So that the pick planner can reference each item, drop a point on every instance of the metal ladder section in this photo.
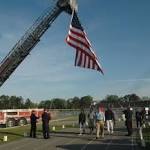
(29, 40)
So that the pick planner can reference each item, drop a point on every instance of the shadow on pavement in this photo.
(103, 144)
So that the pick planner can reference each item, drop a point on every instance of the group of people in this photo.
(142, 118)
(99, 119)
(46, 117)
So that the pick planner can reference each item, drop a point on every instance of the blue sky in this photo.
(120, 35)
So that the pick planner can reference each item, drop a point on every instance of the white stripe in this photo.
(98, 64)
(87, 62)
(84, 40)
(87, 39)
(91, 63)
(83, 60)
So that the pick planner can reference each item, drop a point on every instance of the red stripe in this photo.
(85, 62)
(78, 34)
(79, 41)
(76, 57)
(75, 46)
(80, 60)
(93, 64)
(93, 58)
(93, 61)
(89, 63)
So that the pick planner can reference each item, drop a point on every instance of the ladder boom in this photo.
(29, 40)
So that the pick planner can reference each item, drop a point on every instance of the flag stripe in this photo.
(77, 38)
(85, 62)
(79, 47)
(79, 34)
(77, 31)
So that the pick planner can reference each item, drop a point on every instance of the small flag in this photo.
(85, 56)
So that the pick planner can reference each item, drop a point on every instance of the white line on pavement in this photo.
(108, 145)
(86, 145)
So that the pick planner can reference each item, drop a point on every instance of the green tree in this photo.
(69, 103)
(112, 98)
(76, 102)
(131, 98)
(86, 101)
(29, 104)
(45, 104)
(59, 103)
(4, 102)
(16, 102)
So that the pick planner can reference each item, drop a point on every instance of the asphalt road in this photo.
(68, 139)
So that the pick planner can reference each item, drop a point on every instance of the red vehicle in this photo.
(12, 117)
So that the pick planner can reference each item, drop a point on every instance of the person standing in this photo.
(91, 117)
(82, 120)
(100, 119)
(145, 113)
(128, 122)
(110, 120)
(138, 117)
(33, 121)
(46, 117)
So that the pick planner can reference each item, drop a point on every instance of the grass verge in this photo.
(20, 132)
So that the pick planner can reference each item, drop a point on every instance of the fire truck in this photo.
(13, 117)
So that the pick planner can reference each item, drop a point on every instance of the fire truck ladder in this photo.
(29, 40)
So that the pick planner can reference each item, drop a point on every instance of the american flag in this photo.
(85, 56)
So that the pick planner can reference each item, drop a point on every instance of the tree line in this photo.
(15, 102)
(132, 100)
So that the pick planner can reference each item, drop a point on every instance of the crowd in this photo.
(101, 118)
(96, 119)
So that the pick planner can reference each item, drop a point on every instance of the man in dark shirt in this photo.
(45, 123)
(82, 120)
(128, 115)
(138, 119)
(110, 120)
(33, 121)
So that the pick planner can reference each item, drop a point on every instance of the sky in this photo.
(120, 36)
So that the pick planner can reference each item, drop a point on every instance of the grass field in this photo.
(17, 133)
